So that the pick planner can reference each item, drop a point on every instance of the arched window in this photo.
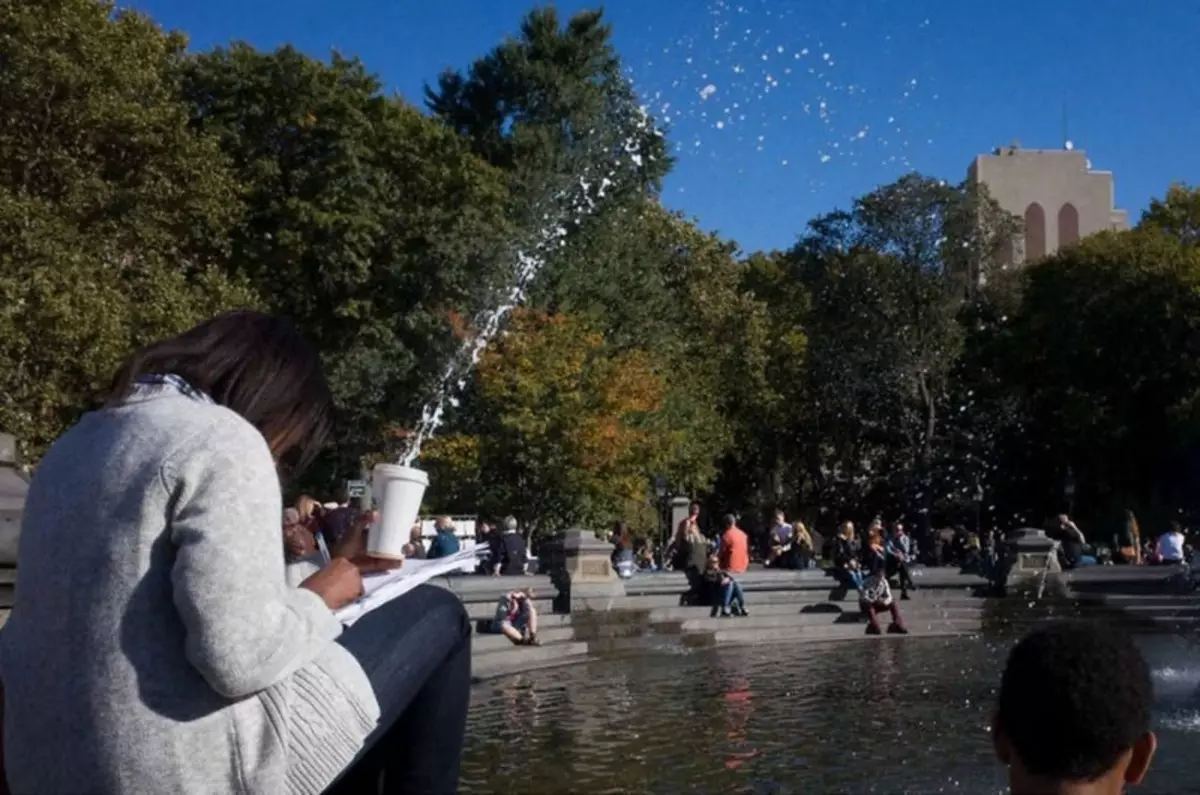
(1068, 225)
(1035, 232)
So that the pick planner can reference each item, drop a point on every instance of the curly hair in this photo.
(1074, 697)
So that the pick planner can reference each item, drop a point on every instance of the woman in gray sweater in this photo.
(155, 646)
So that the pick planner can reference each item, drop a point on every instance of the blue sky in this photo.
(906, 84)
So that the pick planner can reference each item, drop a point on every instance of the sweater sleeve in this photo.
(246, 629)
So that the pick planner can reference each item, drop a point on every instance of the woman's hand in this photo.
(353, 546)
(338, 584)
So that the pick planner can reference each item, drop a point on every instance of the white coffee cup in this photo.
(398, 491)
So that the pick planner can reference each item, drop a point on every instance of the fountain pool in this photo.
(902, 715)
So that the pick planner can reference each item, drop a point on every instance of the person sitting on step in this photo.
(623, 560)
(445, 542)
(199, 669)
(724, 591)
(876, 594)
(779, 542)
(415, 548)
(516, 618)
(802, 550)
(1171, 545)
(845, 559)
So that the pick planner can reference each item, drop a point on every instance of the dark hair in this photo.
(728, 521)
(254, 364)
(1073, 698)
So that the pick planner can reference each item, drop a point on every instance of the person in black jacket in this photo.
(846, 566)
(514, 555)
(694, 549)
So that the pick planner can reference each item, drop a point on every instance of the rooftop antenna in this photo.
(1067, 144)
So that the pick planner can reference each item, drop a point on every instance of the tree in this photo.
(111, 208)
(882, 339)
(553, 109)
(1177, 215)
(763, 345)
(565, 430)
(889, 280)
(373, 227)
(1105, 352)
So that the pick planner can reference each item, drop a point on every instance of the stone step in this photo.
(809, 597)
(513, 659)
(484, 643)
(1163, 609)
(756, 604)
(1140, 600)
(835, 632)
(756, 619)
(553, 620)
(758, 578)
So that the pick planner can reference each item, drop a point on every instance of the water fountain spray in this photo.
(569, 206)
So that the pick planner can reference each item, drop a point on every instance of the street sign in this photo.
(356, 488)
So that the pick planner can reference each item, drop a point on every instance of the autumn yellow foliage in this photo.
(572, 431)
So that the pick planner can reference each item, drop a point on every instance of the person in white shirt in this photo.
(1170, 545)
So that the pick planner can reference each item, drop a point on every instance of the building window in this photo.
(1035, 232)
(1068, 225)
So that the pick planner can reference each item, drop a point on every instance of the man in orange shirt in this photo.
(735, 547)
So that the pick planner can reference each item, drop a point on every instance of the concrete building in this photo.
(1054, 191)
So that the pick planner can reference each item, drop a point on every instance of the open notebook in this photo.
(379, 589)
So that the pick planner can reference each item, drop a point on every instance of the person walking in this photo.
(694, 556)
(900, 553)
(876, 594)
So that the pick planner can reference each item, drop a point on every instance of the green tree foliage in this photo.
(652, 281)
(566, 430)
(890, 362)
(372, 226)
(764, 345)
(888, 281)
(111, 208)
(1104, 354)
(1177, 215)
(552, 108)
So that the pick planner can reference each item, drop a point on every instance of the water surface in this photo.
(903, 715)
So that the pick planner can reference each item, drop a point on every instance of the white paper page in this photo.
(379, 589)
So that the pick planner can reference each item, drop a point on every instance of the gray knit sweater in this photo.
(155, 646)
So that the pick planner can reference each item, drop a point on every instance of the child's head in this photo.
(1074, 707)
(714, 562)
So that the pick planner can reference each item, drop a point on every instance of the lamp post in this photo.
(660, 492)
(1069, 491)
